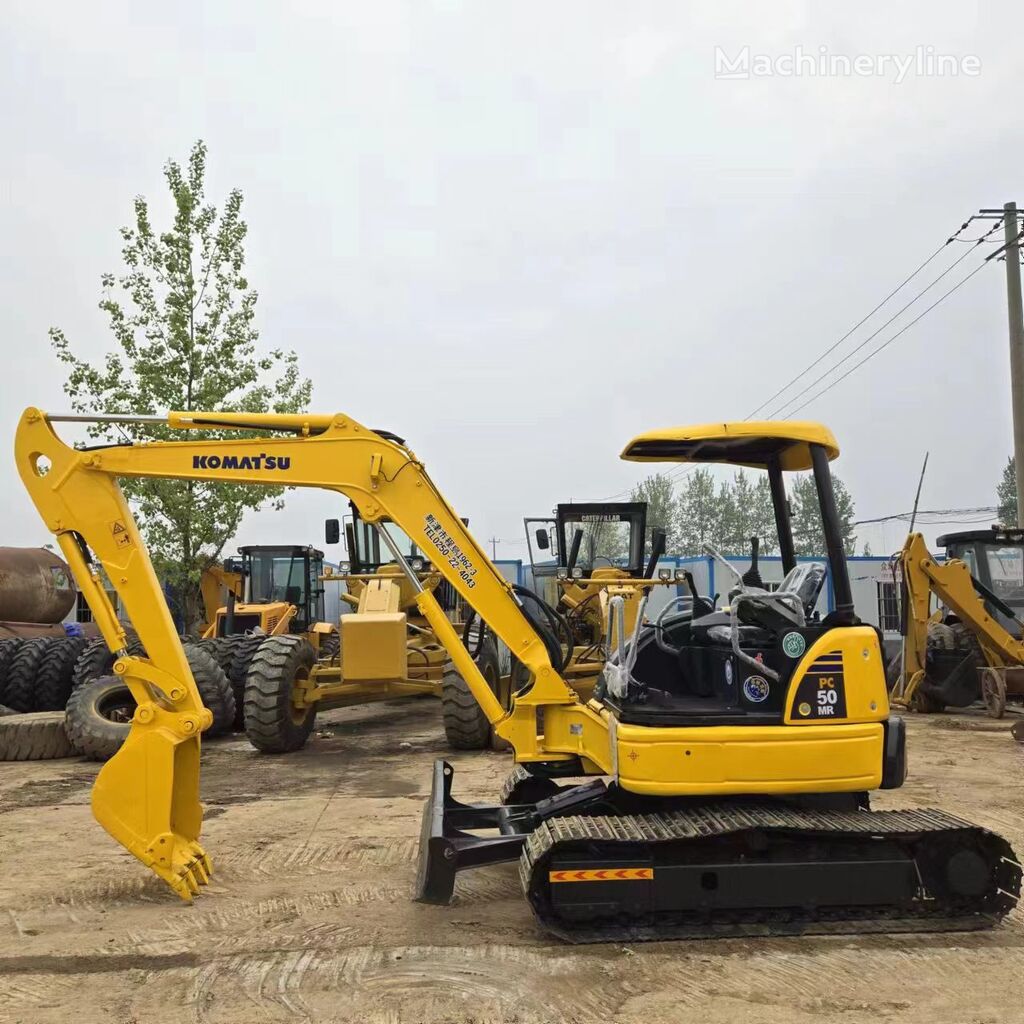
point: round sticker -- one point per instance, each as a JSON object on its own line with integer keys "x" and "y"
{"x": 728, "y": 673}
{"x": 804, "y": 709}
{"x": 794, "y": 644}
{"x": 755, "y": 689}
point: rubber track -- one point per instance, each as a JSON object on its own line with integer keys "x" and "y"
{"x": 704, "y": 822}
{"x": 34, "y": 737}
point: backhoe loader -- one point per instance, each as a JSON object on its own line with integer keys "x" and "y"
{"x": 739, "y": 761}
{"x": 970, "y": 648}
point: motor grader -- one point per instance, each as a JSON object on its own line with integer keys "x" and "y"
{"x": 389, "y": 649}
{"x": 725, "y": 781}
{"x": 598, "y": 579}
{"x": 970, "y": 647}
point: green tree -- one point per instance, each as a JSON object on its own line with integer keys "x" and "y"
{"x": 698, "y": 512}
{"x": 1006, "y": 494}
{"x": 658, "y": 491}
{"x": 764, "y": 516}
{"x": 808, "y": 536}
{"x": 183, "y": 319}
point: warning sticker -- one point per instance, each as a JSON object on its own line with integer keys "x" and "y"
{"x": 120, "y": 532}
{"x": 603, "y": 875}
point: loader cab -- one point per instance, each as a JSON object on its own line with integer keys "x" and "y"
{"x": 736, "y": 665}
{"x": 288, "y": 575}
{"x": 995, "y": 558}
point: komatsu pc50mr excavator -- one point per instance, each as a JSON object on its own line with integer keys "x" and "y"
{"x": 731, "y": 751}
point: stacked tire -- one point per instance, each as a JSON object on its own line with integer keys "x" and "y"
{"x": 36, "y": 679}
{"x": 101, "y": 706}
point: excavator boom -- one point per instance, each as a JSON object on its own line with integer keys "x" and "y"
{"x": 147, "y": 795}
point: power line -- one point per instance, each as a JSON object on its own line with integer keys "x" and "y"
{"x": 780, "y": 410}
{"x": 885, "y": 344}
{"x": 678, "y": 474}
{"x": 833, "y": 347}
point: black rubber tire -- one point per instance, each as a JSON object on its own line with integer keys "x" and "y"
{"x": 23, "y": 671}
{"x": 98, "y": 660}
{"x": 220, "y": 648}
{"x": 330, "y": 647}
{"x": 465, "y": 725}
{"x": 244, "y": 648}
{"x": 214, "y": 689}
{"x": 8, "y": 648}
{"x": 99, "y": 712}
{"x": 53, "y": 683}
{"x": 271, "y": 721}
{"x": 39, "y": 736}
{"x": 98, "y": 717}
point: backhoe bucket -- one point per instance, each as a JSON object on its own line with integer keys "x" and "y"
{"x": 147, "y": 797}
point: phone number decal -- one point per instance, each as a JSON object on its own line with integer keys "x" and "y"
{"x": 450, "y": 551}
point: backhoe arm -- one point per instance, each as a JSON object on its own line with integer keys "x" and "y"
{"x": 953, "y": 586}
{"x": 147, "y": 795}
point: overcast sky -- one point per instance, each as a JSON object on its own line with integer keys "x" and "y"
{"x": 519, "y": 233}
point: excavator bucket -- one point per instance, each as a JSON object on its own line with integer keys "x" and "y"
{"x": 147, "y": 797}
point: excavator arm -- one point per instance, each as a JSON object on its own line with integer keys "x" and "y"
{"x": 954, "y": 587}
{"x": 147, "y": 795}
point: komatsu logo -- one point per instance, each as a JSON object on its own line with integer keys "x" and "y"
{"x": 261, "y": 461}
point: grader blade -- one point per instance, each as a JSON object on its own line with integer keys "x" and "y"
{"x": 147, "y": 798}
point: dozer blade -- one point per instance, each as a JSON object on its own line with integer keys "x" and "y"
{"x": 147, "y": 797}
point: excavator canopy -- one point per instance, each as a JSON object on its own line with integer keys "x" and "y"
{"x": 754, "y": 444}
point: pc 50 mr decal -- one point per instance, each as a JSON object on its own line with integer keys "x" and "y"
{"x": 261, "y": 461}
{"x": 822, "y": 691}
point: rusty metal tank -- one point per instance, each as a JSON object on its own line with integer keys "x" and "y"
{"x": 35, "y": 586}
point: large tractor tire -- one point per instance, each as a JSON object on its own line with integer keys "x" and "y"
{"x": 465, "y": 725}
{"x": 99, "y": 716}
{"x": 8, "y": 648}
{"x": 221, "y": 649}
{"x": 330, "y": 647}
{"x": 39, "y": 736}
{"x": 272, "y": 722}
{"x": 23, "y": 672}
{"x": 53, "y": 683}
{"x": 98, "y": 660}
{"x": 243, "y": 650}
{"x": 213, "y": 687}
{"x": 99, "y": 712}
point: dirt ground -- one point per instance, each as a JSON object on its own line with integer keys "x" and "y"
{"x": 309, "y": 918}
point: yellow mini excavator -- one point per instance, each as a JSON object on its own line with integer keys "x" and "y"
{"x": 729, "y": 763}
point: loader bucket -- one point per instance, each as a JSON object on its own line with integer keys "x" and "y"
{"x": 147, "y": 797}
{"x": 957, "y": 688}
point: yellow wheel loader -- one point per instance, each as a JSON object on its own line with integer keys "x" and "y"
{"x": 970, "y": 647}
{"x": 728, "y": 776}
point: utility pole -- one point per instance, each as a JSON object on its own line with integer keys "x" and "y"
{"x": 494, "y": 548}
{"x": 1016, "y": 320}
